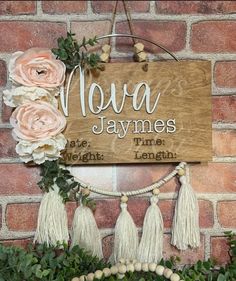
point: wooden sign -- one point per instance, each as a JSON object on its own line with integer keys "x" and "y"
{"x": 138, "y": 113}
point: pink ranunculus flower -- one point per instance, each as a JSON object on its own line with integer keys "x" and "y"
{"x": 38, "y": 120}
{"x": 36, "y": 67}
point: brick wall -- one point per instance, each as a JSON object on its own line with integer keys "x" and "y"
{"x": 192, "y": 30}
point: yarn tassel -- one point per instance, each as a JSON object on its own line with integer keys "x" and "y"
{"x": 151, "y": 244}
{"x": 85, "y": 232}
{"x": 126, "y": 235}
{"x": 185, "y": 230}
{"x": 52, "y": 226}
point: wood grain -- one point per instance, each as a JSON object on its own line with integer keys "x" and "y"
{"x": 185, "y": 89}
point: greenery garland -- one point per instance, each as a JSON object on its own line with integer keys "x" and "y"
{"x": 60, "y": 263}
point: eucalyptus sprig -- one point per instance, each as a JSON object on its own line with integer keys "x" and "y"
{"x": 72, "y": 53}
{"x": 53, "y": 173}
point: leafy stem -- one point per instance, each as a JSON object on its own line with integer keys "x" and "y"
{"x": 71, "y": 53}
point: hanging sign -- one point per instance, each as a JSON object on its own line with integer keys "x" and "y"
{"x": 140, "y": 113}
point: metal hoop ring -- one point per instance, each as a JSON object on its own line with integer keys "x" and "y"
{"x": 140, "y": 38}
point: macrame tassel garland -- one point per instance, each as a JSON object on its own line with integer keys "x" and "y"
{"x": 85, "y": 232}
{"x": 151, "y": 244}
{"x": 52, "y": 226}
{"x": 126, "y": 235}
{"x": 185, "y": 230}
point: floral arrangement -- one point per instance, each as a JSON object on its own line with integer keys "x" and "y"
{"x": 37, "y": 75}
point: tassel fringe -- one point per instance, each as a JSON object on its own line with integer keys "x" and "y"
{"x": 126, "y": 237}
{"x": 151, "y": 245}
{"x": 185, "y": 230}
{"x": 85, "y": 232}
{"x": 52, "y": 224}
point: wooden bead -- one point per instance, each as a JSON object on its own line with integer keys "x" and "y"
{"x": 98, "y": 274}
{"x": 106, "y": 48}
{"x": 75, "y": 279}
{"x": 145, "y": 267}
{"x": 130, "y": 267}
{"x": 122, "y": 261}
{"x": 167, "y": 273}
{"x": 174, "y": 277}
{"x": 114, "y": 270}
{"x": 142, "y": 56}
{"x": 122, "y": 269}
{"x": 137, "y": 266}
{"x": 138, "y": 47}
{"x": 107, "y": 272}
{"x": 152, "y": 266}
{"x": 124, "y": 199}
{"x": 156, "y": 191}
{"x": 160, "y": 270}
{"x": 85, "y": 191}
{"x": 90, "y": 277}
{"x": 181, "y": 172}
{"x": 120, "y": 276}
{"x": 104, "y": 57}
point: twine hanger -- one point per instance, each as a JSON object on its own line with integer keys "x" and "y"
{"x": 139, "y": 54}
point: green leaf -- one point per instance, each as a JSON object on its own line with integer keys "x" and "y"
{"x": 221, "y": 277}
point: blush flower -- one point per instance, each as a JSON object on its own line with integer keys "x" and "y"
{"x": 36, "y": 67}
{"x": 38, "y": 120}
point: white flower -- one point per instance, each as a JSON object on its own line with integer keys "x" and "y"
{"x": 20, "y": 95}
{"x": 40, "y": 151}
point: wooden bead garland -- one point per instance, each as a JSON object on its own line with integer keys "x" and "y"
{"x": 129, "y": 266}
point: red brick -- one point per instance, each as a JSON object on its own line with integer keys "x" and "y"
{"x": 3, "y": 73}
{"x": 6, "y": 113}
{"x": 214, "y": 36}
{"x": 195, "y": 7}
{"x": 22, "y": 217}
{"x": 107, "y": 212}
{"x": 18, "y": 179}
{"x": 219, "y": 250}
{"x": 7, "y": 144}
{"x": 22, "y": 35}
{"x": 22, "y": 243}
{"x": 17, "y": 7}
{"x": 214, "y": 177}
{"x": 64, "y": 7}
{"x": 90, "y": 29}
{"x": 70, "y": 208}
{"x": 226, "y": 213}
{"x": 224, "y": 143}
{"x": 107, "y": 246}
{"x": 206, "y": 214}
{"x": 132, "y": 177}
{"x": 189, "y": 256}
{"x": 225, "y": 74}
{"x": 170, "y": 34}
{"x": 224, "y": 109}
{"x": 108, "y": 6}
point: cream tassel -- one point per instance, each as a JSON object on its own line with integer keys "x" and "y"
{"x": 126, "y": 235}
{"x": 52, "y": 226}
{"x": 151, "y": 245}
{"x": 185, "y": 230}
{"x": 85, "y": 232}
